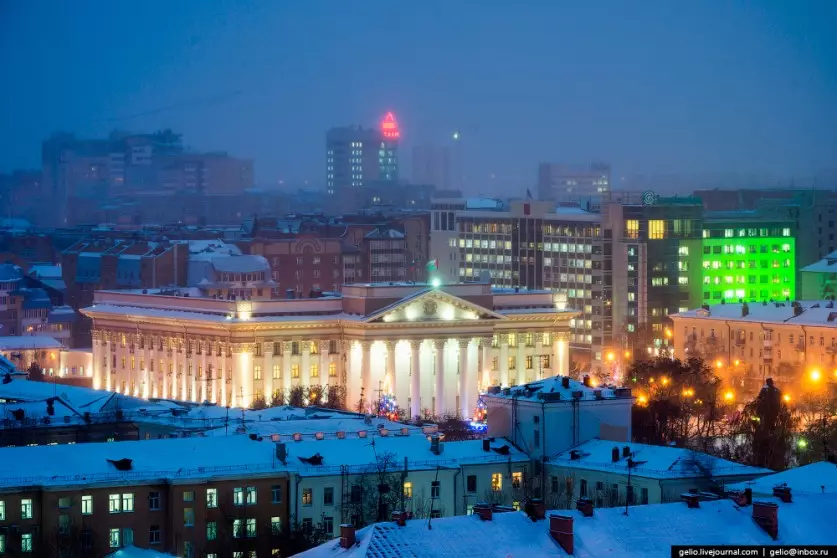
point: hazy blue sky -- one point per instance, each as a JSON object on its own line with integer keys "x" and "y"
{"x": 653, "y": 86}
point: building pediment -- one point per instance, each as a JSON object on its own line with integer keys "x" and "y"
{"x": 432, "y": 306}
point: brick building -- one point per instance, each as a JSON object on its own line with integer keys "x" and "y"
{"x": 107, "y": 263}
{"x": 202, "y": 497}
{"x": 304, "y": 264}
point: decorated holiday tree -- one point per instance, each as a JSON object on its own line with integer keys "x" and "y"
{"x": 388, "y": 407}
{"x": 479, "y": 422}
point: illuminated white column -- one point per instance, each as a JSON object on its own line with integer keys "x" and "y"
{"x": 390, "y": 373}
{"x": 366, "y": 372}
{"x": 439, "y": 407}
{"x": 97, "y": 359}
{"x": 286, "y": 366}
{"x": 485, "y": 344}
{"x": 305, "y": 373}
{"x": 521, "y": 358}
{"x": 270, "y": 362}
{"x": 504, "y": 359}
{"x": 183, "y": 370}
{"x": 560, "y": 353}
{"x": 415, "y": 376}
{"x": 245, "y": 373}
{"x": 324, "y": 360}
{"x": 538, "y": 364}
{"x": 204, "y": 379}
{"x": 464, "y": 378}
{"x": 108, "y": 364}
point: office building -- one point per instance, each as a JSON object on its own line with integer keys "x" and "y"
{"x": 358, "y": 158}
{"x": 747, "y": 257}
{"x": 564, "y": 183}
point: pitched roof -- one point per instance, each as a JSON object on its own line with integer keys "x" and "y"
{"x": 816, "y": 478}
{"x": 554, "y": 386}
{"x": 209, "y": 457}
{"x": 659, "y": 462}
{"x": 647, "y": 531}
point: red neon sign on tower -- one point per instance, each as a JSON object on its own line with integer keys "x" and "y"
{"x": 389, "y": 127}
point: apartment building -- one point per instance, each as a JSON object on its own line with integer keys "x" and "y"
{"x": 222, "y": 496}
{"x": 180, "y": 496}
{"x": 795, "y": 343}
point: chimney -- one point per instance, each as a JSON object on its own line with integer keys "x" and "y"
{"x": 586, "y": 380}
{"x": 399, "y": 517}
{"x": 742, "y": 498}
{"x": 436, "y": 445}
{"x": 745, "y": 310}
{"x": 561, "y": 529}
{"x": 585, "y": 506}
{"x": 614, "y": 454}
{"x": 565, "y": 382}
{"x": 281, "y": 452}
{"x": 626, "y": 451}
{"x": 536, "y": 509}
{"x": 347, "y": 535}
{"x": 486, "y": 444}
{"x": 766, "y": 516}
{"x": 483, "y": 510}
{"x": 692, "y": 500}
{"x": 782, "y": 492}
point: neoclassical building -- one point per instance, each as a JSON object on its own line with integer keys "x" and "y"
{"x": 432, "y": 347}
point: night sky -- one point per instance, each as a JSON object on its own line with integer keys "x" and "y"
{"x": 650, "y": 86}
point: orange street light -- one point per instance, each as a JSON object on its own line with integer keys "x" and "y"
{"x": 642, "y": 400}
{"x": 815, "y": 375}
{"x": 737, "y": 362}
{"x": 664, "y": 380}
{"x": 628, "y": 355}
{"x": 610, "y": 356}
{"x": 786, "y": 397}
{"x": 719, "y": 363}
{"x": 729, "y": 396}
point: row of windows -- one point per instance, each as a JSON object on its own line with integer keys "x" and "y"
{"x": 124, "y": 502}
{"x": 512, "y": 362}
{"x": 528, "y": 339}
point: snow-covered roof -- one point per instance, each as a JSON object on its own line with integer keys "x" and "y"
{"x": 826, "y": 265}
{"x": 552, "y": 389}
{"x": 208, "y": 457}
{"x": 507, "y": 534}
{"x": 647, "y": 531}
{"x": 10, "y": 272}
{"x": 816, "y": 478}
{"x": 136, "y": 552}
{"x": 484, "y": 203}
{"x": 814, "y": 312}
{"x": 45, "y": 271}
{"x": 240, "y": 264}
{"x": 28, "y": 342}
{"x": 657, "y": 462}
{"x": 162, "y": 312}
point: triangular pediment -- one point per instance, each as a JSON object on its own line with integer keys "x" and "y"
{"x": 433, "y": 306}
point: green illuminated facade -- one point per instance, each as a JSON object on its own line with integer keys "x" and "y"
{"x": 754, "y": 263}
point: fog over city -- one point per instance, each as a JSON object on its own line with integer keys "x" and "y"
{"x": 708, "y": 93}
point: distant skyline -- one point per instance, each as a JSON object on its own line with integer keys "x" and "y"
{"x": 650, "y": 87}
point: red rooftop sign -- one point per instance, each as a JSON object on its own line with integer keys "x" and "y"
{"x": 389, "y": 127}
